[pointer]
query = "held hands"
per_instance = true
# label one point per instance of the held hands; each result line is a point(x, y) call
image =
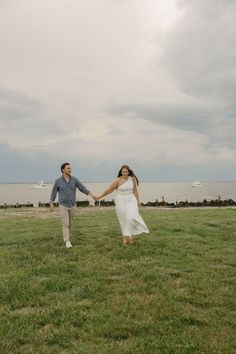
point(92, 196)
point(95, 197)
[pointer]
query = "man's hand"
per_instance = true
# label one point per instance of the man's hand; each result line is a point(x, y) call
point(139, 204)
point(52, 206)
point(92, 196)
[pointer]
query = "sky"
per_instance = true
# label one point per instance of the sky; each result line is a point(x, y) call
point(102, 83)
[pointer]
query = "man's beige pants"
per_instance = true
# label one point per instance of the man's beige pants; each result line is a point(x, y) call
point(67, 215)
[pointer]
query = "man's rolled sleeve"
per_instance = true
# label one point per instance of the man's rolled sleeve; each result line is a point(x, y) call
point(54, 192)
point(81, 187)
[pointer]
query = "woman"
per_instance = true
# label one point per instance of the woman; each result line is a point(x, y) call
point(127, 203)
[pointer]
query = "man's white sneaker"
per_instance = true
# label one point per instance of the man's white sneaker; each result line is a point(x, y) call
point(68, 244)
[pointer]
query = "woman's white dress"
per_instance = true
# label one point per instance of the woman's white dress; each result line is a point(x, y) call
point(131, 222)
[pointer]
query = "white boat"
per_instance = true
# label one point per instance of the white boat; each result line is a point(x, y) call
point(41, 185)
point(196, 184)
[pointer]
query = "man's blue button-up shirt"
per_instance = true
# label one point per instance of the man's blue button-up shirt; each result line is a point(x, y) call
point(67, 191)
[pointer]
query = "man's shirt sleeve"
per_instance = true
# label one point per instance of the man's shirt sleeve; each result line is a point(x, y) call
point(81, 187)
point(54, 192)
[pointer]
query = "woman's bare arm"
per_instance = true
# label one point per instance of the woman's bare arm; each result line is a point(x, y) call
point(109, 190)
point(135, 191)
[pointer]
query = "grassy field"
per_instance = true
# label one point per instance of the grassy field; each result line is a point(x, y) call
point(171, 292)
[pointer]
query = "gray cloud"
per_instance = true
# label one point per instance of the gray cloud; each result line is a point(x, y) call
point(160, 88)
point(20, 166)
point(170, 114)
point(17, 166)
point(199, 54)
point(26, 121)
point(200, 51)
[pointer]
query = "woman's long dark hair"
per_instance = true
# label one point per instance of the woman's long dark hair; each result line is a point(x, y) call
point(130, 173)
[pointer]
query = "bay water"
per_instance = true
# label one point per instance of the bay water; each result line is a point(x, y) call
point(171, 191)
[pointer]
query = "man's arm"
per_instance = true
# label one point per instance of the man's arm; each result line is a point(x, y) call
point(53, 195)
point(82, 188)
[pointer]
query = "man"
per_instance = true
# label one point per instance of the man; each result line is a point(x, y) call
point(66, 186)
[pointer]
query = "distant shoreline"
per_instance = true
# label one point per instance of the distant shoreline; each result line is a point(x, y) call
point(213, 203)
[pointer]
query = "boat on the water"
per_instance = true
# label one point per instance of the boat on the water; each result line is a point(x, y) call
point(196, 184)
point(41, 185)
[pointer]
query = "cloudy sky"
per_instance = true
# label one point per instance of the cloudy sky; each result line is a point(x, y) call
point(99, 83)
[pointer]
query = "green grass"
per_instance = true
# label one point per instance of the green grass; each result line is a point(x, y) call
point(171, 292)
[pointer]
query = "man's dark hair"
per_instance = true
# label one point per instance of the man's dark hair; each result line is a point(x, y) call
point(64, 165)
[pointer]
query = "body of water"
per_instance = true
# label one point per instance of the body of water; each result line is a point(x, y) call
point(171, 191)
